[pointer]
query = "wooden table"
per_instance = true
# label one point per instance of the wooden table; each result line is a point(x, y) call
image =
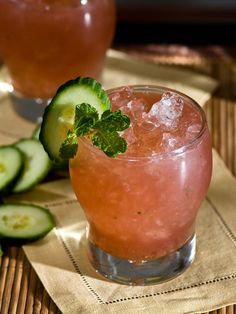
point(20, 289)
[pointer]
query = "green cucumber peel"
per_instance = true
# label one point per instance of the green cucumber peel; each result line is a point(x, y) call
point(59, 115)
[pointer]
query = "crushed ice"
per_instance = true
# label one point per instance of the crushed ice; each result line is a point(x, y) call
point(192, 131)
point(166, 112)
point(169, 141)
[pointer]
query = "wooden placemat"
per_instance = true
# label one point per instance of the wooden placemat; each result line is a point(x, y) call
point(20, 289)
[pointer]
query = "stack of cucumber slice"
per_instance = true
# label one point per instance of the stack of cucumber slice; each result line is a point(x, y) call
point(22, 166)
point(11, 166)
point(25, 164)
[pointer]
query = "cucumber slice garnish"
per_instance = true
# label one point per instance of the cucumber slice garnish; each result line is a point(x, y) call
point(11, 165)
point(24, 222)
point(58, 117)
point(36, 164)
point(36, 131)
point(61, 167)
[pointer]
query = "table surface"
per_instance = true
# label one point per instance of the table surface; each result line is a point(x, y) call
point(20, 289)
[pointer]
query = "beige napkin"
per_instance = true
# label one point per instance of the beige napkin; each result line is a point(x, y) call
point(121, 69)
point(61, 263)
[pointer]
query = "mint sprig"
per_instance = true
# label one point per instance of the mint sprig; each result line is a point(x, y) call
point(86, 117)
point(113, 121)
point(69, 147)
point(111, 143)
point(102, 131)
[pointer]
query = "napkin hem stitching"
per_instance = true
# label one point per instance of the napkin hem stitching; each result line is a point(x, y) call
point(226, 229)
point(77, 269)
point(101, 301)
point(59, 203)
point(215, 280)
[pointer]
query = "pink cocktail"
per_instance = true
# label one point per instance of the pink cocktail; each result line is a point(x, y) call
point(141, 206)
point(45, 43)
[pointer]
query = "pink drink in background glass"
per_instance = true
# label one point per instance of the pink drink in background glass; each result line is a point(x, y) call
point(45, 43)
point(141, 206)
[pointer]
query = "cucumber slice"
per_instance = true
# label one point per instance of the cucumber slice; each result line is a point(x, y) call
point(36, 132)
point(11, 165)
point(36, 165)
point(24, 222)
point(58, 117)
point(63, 166)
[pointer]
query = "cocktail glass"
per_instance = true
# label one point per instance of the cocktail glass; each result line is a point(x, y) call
point(45, 43)
point(141, 206)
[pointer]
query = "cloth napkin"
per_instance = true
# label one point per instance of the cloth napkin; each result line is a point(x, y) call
point(121, 69)
point(62, 265)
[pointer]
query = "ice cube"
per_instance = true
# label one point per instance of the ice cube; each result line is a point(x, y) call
point(169, 142)
point(121, 97)
point(166, 112)
point(195, 128)
point(146, 125)
point(151, 117)
point(192, 131)
point(134, 109)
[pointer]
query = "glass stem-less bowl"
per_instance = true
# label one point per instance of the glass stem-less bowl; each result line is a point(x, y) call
point(141, 209)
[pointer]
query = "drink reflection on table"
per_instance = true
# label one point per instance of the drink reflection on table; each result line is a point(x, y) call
point(44, 43)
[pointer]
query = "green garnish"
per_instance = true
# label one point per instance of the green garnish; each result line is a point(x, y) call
point(86, 117)
point(69, 146)
point(111, 143)
point(1, 251)
point(102, 131)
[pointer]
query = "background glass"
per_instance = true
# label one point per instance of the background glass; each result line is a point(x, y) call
point(45, 43)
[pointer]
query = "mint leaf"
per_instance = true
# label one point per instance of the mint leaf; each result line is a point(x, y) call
point(103, 132)
point(113, 121)
point(111, 143)
point(69, 147)
point(85, 118)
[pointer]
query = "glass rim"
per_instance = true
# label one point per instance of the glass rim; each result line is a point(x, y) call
point(160, 155)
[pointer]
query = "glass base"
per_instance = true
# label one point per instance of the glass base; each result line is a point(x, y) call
point(143, 272)
point(30, 109)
